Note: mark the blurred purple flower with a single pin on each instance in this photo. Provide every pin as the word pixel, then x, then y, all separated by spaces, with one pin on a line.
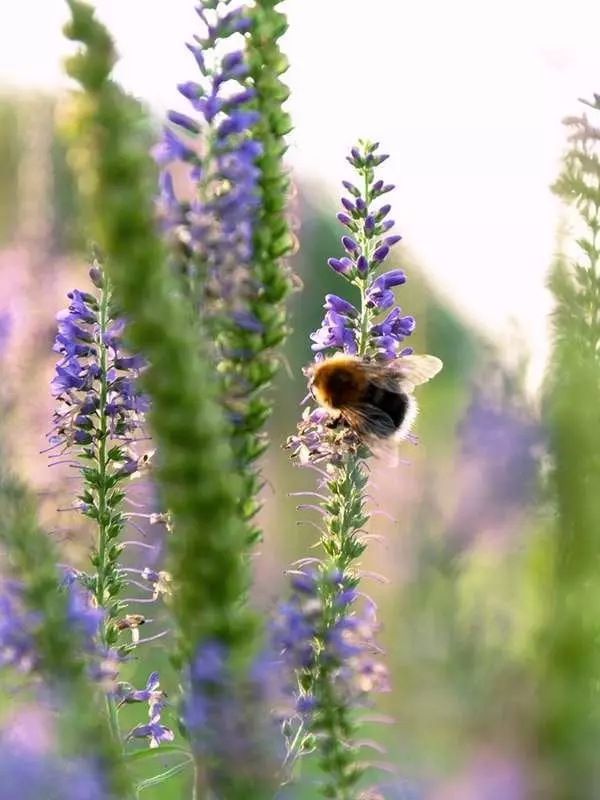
pixel 30 776
pixel 5 326
pixel 497 464
pixel 227 715
pixel 18 629
pixel 489 776
pixel 218 225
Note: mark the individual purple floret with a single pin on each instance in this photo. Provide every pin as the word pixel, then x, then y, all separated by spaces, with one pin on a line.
pixel 379 295
pixel 151 693
pixel 153 731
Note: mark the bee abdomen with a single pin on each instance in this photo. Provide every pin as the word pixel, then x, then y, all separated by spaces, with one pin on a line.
pixel 394 404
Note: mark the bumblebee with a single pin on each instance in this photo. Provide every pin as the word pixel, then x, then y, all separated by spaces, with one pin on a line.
pixel 374 399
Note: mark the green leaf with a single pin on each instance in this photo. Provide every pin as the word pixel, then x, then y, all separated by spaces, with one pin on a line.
pixel 135 756
pixel 163 776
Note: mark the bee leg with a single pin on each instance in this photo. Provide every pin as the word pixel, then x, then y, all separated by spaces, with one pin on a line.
pixel 334 422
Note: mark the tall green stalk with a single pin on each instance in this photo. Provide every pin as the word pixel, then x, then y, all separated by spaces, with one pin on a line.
pixel 568 726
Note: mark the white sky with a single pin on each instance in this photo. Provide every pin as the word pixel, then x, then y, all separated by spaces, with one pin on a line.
pixel 466 96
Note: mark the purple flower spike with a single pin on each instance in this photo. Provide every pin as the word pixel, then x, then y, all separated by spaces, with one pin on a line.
pixel 326 632
pixel 218 225
pixel 366 249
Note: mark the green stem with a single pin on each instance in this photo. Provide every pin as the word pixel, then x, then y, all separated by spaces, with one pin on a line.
pixel 103 512
pixel 364 320
pixel 338 757
pixel 113 719
pixel 366 246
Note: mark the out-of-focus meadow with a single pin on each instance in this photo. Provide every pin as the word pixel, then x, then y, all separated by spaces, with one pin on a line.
pixel 455 529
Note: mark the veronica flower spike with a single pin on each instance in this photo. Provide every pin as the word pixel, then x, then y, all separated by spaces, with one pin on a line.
pixel 99 429
pixel 327 630
pixel 230 241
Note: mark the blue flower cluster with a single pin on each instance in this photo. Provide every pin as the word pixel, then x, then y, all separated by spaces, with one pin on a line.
pixel 344 327
pixel 18 629
pixel 217 225
pixel 318 629
pixel 30 775
pixel 94 370
pixel 227 718
pixel 17 648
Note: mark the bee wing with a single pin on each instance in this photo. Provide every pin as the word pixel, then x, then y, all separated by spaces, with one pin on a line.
pixel 406 372
pixel 413 370
pixel 368 420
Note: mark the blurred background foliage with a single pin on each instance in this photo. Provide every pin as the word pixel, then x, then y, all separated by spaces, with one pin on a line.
pixel 461 532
